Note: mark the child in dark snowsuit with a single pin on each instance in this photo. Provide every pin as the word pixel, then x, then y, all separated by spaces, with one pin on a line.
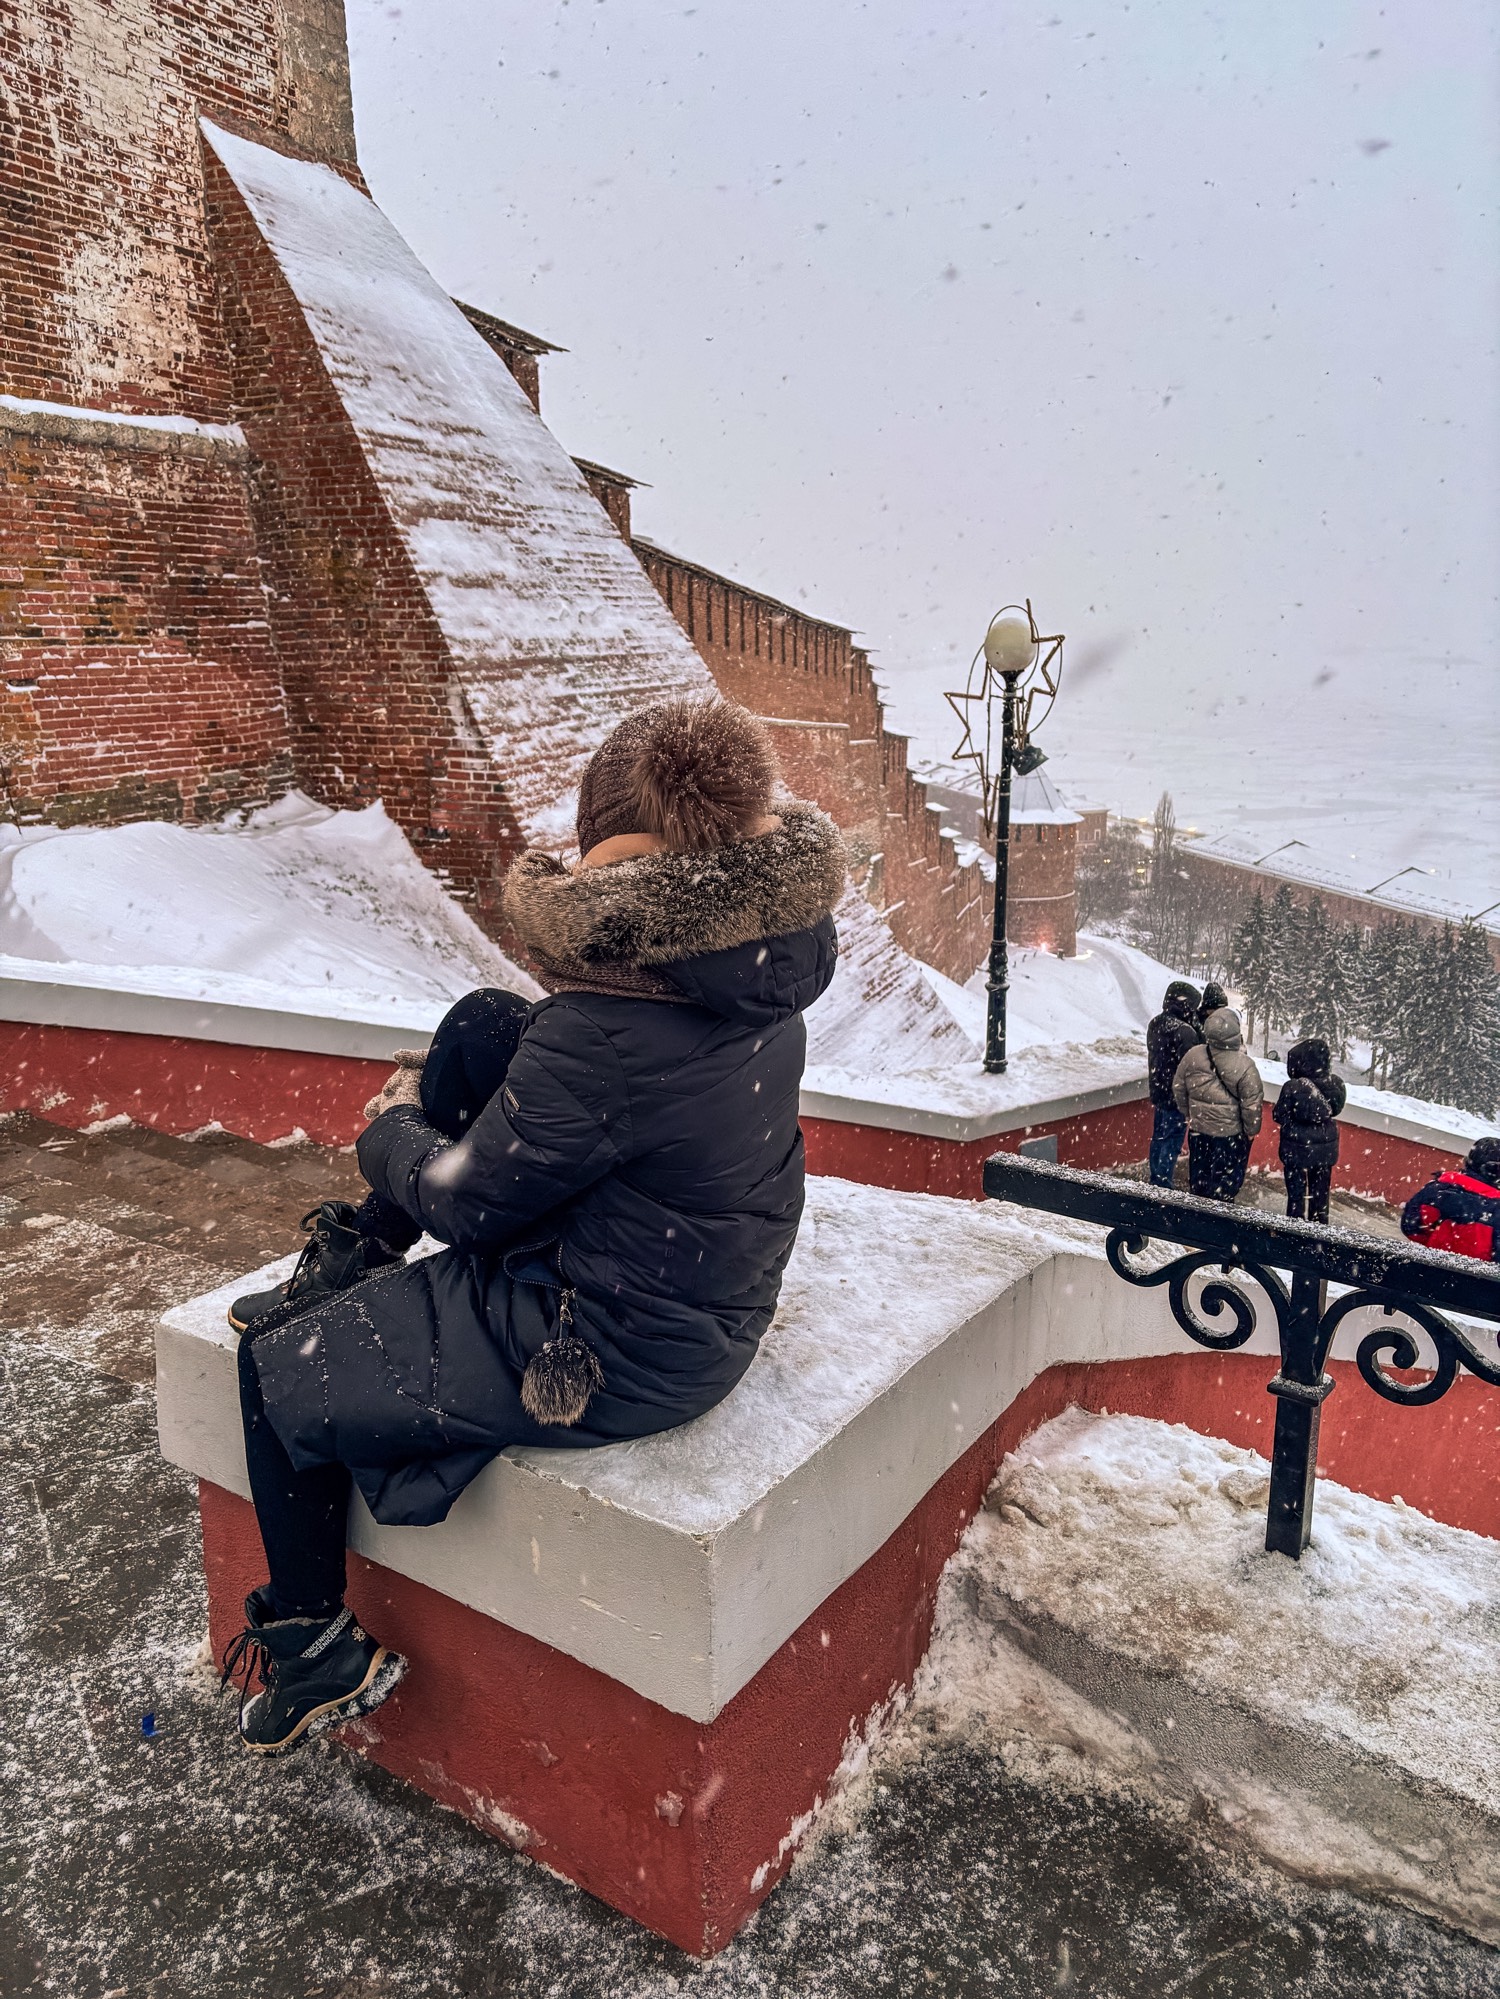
pixel 1307 1112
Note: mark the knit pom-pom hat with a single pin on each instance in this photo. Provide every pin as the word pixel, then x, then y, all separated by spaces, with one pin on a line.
pixel 697 774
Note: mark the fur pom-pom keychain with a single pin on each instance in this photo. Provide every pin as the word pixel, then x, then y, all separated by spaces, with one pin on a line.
pixel 561 1376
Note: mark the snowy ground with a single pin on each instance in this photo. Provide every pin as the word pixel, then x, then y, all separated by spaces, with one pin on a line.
pixel 1071 1024
pixel 291 906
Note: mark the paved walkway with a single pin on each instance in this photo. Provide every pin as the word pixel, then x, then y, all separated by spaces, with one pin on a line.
pixel 169 1864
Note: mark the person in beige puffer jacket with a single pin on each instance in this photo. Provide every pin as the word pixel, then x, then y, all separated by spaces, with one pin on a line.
pixel 1218 1089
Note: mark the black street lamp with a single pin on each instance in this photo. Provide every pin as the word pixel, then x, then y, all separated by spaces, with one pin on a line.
pixel 1015 670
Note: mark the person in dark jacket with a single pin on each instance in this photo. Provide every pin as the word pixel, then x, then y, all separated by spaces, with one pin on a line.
pixel 1169 1037
pixel 617 1172
pixel 1460 1211
pixel 1307 1112
pixel 1214 997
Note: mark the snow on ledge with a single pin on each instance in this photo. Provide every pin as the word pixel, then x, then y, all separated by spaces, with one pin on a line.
pixel 293 910
pixel 907 1325
pixel 73 419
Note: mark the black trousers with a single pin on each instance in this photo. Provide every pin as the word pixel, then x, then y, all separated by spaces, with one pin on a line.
pixel 303 1515
pixel 1216 1166
pixel 1307 1191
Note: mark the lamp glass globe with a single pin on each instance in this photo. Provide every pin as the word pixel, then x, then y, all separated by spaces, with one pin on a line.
pixel 1008 645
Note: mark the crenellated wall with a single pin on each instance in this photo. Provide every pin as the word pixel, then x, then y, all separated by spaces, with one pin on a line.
pixel 272 512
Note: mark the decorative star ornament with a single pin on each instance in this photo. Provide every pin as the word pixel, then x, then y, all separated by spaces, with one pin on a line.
pixel 986 692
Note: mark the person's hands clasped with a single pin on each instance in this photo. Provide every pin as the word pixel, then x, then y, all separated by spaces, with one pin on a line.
pixel 402 1086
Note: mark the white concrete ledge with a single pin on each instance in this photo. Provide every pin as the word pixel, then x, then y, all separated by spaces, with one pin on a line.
pixel 965 1127
pixel 681 1563
pixel 68 1001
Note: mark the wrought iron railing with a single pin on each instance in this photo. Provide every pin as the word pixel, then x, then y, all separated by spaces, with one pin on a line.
pixel 1403 1281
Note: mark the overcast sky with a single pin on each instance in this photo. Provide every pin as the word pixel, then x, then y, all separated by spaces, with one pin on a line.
pixel 1180 320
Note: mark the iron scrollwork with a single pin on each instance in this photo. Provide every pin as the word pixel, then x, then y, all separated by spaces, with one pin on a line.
pixel 1407 1284
pixel 1219 1295
pixel 1391 1344
pixel 1401 1350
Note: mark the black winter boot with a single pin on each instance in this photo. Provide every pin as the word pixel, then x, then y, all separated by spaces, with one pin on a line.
pixel 335 1257
pixel 312 1673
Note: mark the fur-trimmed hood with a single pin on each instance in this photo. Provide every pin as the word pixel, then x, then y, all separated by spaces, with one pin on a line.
pixel 662 909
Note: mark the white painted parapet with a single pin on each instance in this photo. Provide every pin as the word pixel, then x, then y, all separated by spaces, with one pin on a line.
pixel 680 1563
pixel 38 994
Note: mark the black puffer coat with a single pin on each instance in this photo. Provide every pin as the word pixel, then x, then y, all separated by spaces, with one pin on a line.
pixel 642 1160
pixel 1308 1107
pixel 1169 1037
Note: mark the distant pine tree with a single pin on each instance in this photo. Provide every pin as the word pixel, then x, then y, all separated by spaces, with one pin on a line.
pixel 1421 1065
pixel 1329 968
pixel 1384 995
pixel 1284 923
pixel 1452 1053
pixel 1307 971
pixel 1476 1042
pixel 1342 977
pixel 1250 964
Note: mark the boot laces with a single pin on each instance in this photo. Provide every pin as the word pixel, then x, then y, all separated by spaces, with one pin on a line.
pixel 248 1662
pixel 316 1231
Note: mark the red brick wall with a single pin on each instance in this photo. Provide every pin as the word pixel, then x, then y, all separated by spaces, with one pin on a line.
pixel 1239 884
pixel 141 675
pixel 106 291
pixel 815 688
pixel 140 680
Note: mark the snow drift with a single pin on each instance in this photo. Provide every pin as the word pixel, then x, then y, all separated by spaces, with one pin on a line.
pixel 1113 1606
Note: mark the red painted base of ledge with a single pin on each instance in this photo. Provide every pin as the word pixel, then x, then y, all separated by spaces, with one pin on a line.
pixel 686 1827
pixel 78 1075
pixel 917 1164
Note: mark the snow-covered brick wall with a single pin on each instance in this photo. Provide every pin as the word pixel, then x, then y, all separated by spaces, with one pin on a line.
pixel 1073 1024
pixel 881 1014
pixel 554 630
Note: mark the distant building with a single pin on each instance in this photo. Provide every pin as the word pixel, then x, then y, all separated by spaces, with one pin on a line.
pixel 1230 861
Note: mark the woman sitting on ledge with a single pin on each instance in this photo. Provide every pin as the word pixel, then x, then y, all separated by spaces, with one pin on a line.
pixel 617 1170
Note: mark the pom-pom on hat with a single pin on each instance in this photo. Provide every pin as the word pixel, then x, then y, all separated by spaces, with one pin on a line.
pixel 697 774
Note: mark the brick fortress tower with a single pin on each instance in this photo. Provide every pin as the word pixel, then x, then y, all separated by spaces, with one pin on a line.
pixel 276 511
